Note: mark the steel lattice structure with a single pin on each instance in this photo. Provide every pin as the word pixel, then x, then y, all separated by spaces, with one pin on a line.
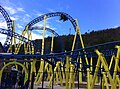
pixel 9 25
pixel 48 29
pixel 16 35
pixel 64 17
pixel 64 65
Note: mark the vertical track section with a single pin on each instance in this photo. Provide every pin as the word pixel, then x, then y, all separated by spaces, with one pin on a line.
pixel 9 26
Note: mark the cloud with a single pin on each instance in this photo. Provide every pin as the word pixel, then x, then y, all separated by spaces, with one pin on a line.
pixel 38 13
pixel 26 18
pixel 10 7
pixel 58 21
pixel 115 26
pixel 41 24
pixel 14 18
pixel 20 26
pixel 50 10
pixel 40 31
pixel 10 10
pixel 3 24
pixel 20 9
pixel 6 2
pixel 14 10
pixel 36 36
pixel 27 15
pixel 2 38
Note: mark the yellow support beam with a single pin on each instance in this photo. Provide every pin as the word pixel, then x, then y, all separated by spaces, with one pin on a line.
pixel 82 43
pixel 42 52
pixel 116 63
pixel 52 42
pixel 102 59
pixel 67 72
pixel 106 80
pixel 55 69
pixel 111 61
pixel 80 73
pixel 49 72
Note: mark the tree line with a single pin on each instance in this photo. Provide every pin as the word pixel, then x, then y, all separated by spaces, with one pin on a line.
pixel 92 38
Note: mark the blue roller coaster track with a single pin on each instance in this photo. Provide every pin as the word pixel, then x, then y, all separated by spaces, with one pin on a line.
pixel 41 28
pixel 63 16
pixel 9 25
pixel 53 58
pixel 16 35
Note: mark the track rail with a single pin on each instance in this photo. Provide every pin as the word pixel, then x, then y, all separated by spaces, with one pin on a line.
pixel 64 17
pixel 48 29
pixel 9 25
pixel 16 35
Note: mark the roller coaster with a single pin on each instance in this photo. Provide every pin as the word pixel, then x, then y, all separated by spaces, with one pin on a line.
pixel 68 69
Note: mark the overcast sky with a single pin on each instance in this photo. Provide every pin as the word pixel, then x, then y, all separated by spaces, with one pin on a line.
pixel 91 14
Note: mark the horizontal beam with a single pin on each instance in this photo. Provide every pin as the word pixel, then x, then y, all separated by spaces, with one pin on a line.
pixel 28 57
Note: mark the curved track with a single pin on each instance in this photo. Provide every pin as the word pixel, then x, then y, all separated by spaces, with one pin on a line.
pixel 16 35
pixel 9 25
pixel 70 60
pixel 49 30
pixel 41 28
pixel 63 16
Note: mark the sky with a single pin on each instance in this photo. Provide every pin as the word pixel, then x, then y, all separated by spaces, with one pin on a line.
pixel 91 15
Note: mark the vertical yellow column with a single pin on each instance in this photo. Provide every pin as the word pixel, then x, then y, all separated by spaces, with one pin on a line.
pixel 80 73
pixel 52 42
pixel 42 52
pixel 96 70
pixel 32 52
pixel 91 67
pixel 52 74
pixel 118 80
pixel 116 64
pixel 49 71
pixel 105 65
pixel 71 69
pixel 20 41
pixel 67 72
pixel 63 74
pixel 71 76
pixel 88 70
pixel 13 28
pixel 79 60
pixel 59 73
pixel 14 37
pixel 111 61
pixel 106 81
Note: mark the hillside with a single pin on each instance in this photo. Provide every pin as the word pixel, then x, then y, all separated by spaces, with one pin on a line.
pixel 102 36
pixel 65 42
pixel 90 39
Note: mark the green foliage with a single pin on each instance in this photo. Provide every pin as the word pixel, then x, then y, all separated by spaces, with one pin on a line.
pixel 65 42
